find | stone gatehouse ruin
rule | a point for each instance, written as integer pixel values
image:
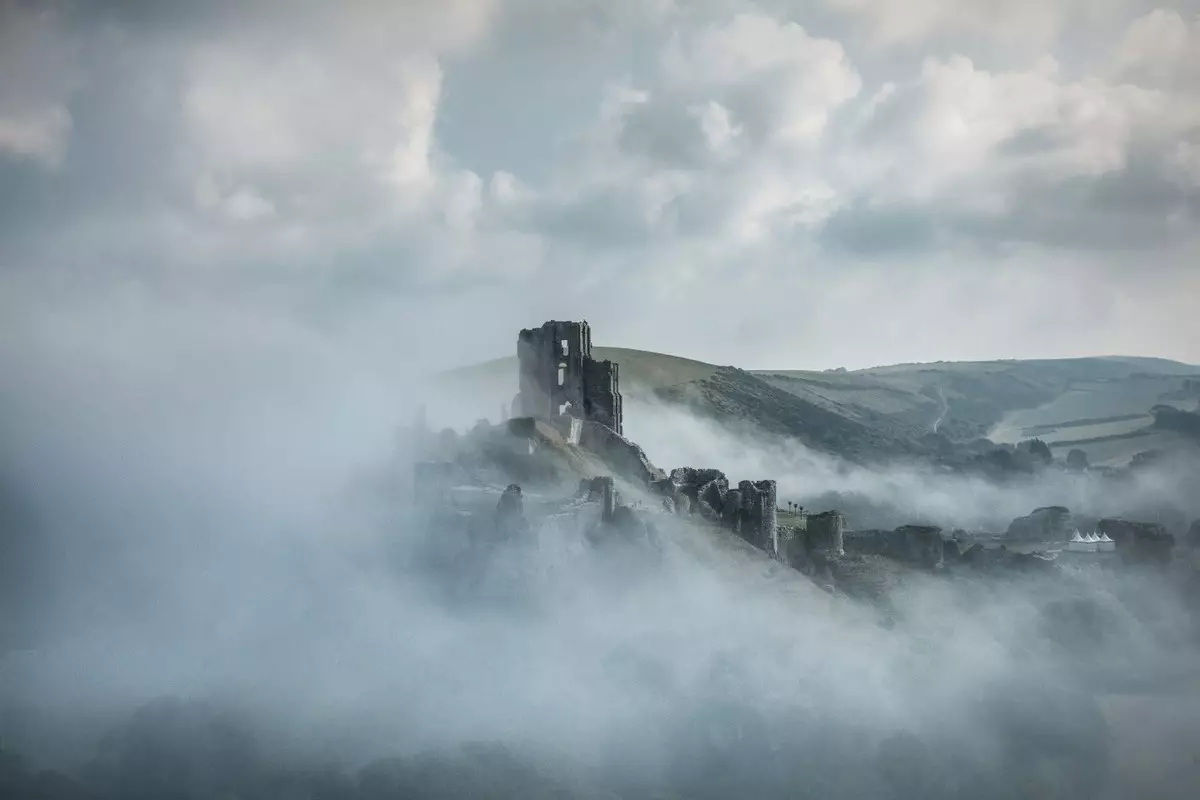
(559, 377)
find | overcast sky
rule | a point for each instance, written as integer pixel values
(771, 184)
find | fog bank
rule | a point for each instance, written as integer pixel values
(219, 523)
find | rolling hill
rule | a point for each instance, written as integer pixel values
(1100, 405)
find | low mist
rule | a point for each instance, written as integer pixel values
(898, 492)
(211, 527)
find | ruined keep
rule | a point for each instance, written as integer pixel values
(559, 377)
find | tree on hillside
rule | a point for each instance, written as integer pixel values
(1040, 450)
(1077, 460)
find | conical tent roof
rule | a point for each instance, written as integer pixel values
(1077, 537)
(1104, 537)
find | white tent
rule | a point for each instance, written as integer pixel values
(1078, 544)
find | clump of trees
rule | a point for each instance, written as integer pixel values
(1176, 419)
(1040, 451)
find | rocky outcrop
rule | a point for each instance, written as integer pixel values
(1143, 542)
(1050, 523)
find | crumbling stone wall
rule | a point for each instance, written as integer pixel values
(602, 393)
(750, 510)
(558, 376)
(824, 533)
(922, 545)
(624, 457)
(759, 521)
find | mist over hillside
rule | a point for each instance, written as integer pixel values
(247, 606)
(269, 530)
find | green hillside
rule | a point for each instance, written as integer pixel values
(1100, 405)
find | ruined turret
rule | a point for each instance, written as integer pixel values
(559, 378)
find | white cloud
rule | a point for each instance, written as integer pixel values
(310, 115)
(895, 22)
(961, 141)
(37, 78)
(1082, 128)
(337, 149)
(667, 161)
(1161, 46)
(246, 204)
(721, 145)
(778, 81)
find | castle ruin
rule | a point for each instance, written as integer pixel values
(559, 377)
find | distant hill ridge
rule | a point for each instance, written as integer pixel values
(1101, 403)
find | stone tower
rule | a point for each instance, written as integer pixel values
(558, 376)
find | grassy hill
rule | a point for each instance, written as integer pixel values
(640, 370)
(1100, 405)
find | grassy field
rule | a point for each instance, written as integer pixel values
(1104, 400)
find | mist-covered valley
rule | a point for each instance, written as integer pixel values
(217, 585)
(882, 479)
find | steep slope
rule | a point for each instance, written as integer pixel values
(736, 396)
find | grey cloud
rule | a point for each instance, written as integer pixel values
(603, 217)
(645, 199)
(865, 229)
(666, 132)
(1138, 209)
(1135, 209)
